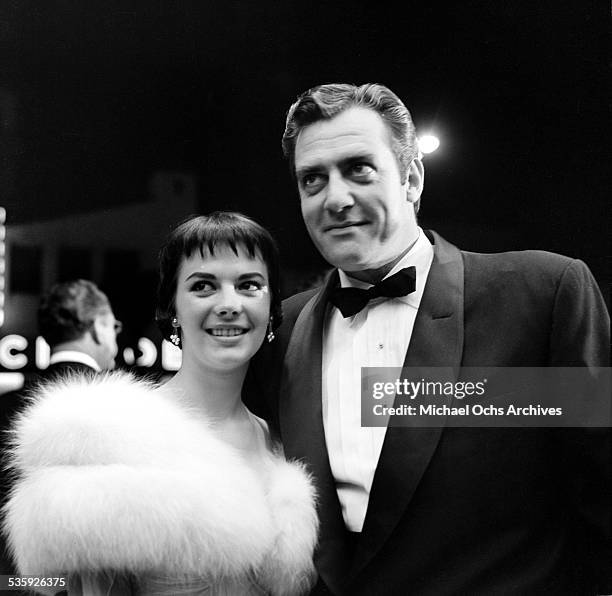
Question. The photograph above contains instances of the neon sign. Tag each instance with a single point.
(16, 353)
(2, 262)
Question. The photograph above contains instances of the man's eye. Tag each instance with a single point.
(362, 170)
(312, 182)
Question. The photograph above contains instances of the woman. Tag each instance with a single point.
(128, 488)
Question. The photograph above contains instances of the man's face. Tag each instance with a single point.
(355, 207)
(107, 329)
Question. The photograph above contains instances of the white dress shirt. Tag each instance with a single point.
(376, 336)
(74, 356)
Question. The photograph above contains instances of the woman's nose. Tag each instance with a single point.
(229, 304)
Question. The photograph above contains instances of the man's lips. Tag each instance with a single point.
(343, 225)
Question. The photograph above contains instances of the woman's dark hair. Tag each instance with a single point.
(205, 233)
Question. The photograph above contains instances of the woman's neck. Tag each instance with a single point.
(216, 394)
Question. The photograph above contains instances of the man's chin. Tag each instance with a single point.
(354, 259)
(348, 264)
(360, 268)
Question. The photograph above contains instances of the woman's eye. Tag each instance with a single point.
(202, 286)
(250, 286)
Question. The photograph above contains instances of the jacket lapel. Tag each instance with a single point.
(437, 340)
(303, 436)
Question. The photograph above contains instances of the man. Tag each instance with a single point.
(429, 511)
(76, 319)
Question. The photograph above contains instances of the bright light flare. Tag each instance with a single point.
(428, 143)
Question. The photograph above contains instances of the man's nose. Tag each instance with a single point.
(338, 194)
(229, 303)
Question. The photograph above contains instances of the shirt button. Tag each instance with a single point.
(380, 346)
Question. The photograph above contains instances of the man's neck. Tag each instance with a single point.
(373, 276)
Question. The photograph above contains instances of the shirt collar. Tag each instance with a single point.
(74, 356)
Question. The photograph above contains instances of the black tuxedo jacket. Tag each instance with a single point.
(474, 511)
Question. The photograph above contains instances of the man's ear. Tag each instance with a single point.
(96, 328)
(414, 180)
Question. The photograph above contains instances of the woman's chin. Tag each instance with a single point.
(224, 353)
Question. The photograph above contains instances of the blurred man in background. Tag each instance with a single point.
(77, 321)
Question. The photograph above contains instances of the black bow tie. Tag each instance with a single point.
(351, 300)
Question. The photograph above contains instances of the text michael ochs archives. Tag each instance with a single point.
(485, 397)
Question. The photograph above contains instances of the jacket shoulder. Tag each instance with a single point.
(542, 272)
(535, 261)
(536, 268)
(522, 266)
(293, 305)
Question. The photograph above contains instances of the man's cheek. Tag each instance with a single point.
(388, 228)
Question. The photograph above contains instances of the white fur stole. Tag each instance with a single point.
(114, 475)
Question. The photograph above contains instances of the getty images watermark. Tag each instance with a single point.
(486, 397)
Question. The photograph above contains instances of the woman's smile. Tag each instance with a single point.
(227, 331)
(222, 307)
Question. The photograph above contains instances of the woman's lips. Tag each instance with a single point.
(226, 331)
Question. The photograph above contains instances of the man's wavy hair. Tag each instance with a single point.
(205, 233)
(68, 311)
(326, 101)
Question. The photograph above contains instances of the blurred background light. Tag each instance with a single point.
(428, 143)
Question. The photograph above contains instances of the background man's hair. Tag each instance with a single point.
(69, 310)
(326, 101)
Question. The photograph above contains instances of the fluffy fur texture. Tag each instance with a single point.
(114, 475)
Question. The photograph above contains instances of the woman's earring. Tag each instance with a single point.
(174, 336)
(270, 336)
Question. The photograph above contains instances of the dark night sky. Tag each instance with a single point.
(107, 92)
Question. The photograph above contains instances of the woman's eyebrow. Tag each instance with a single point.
(252, 274)
(204, 275)
(200, 275)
